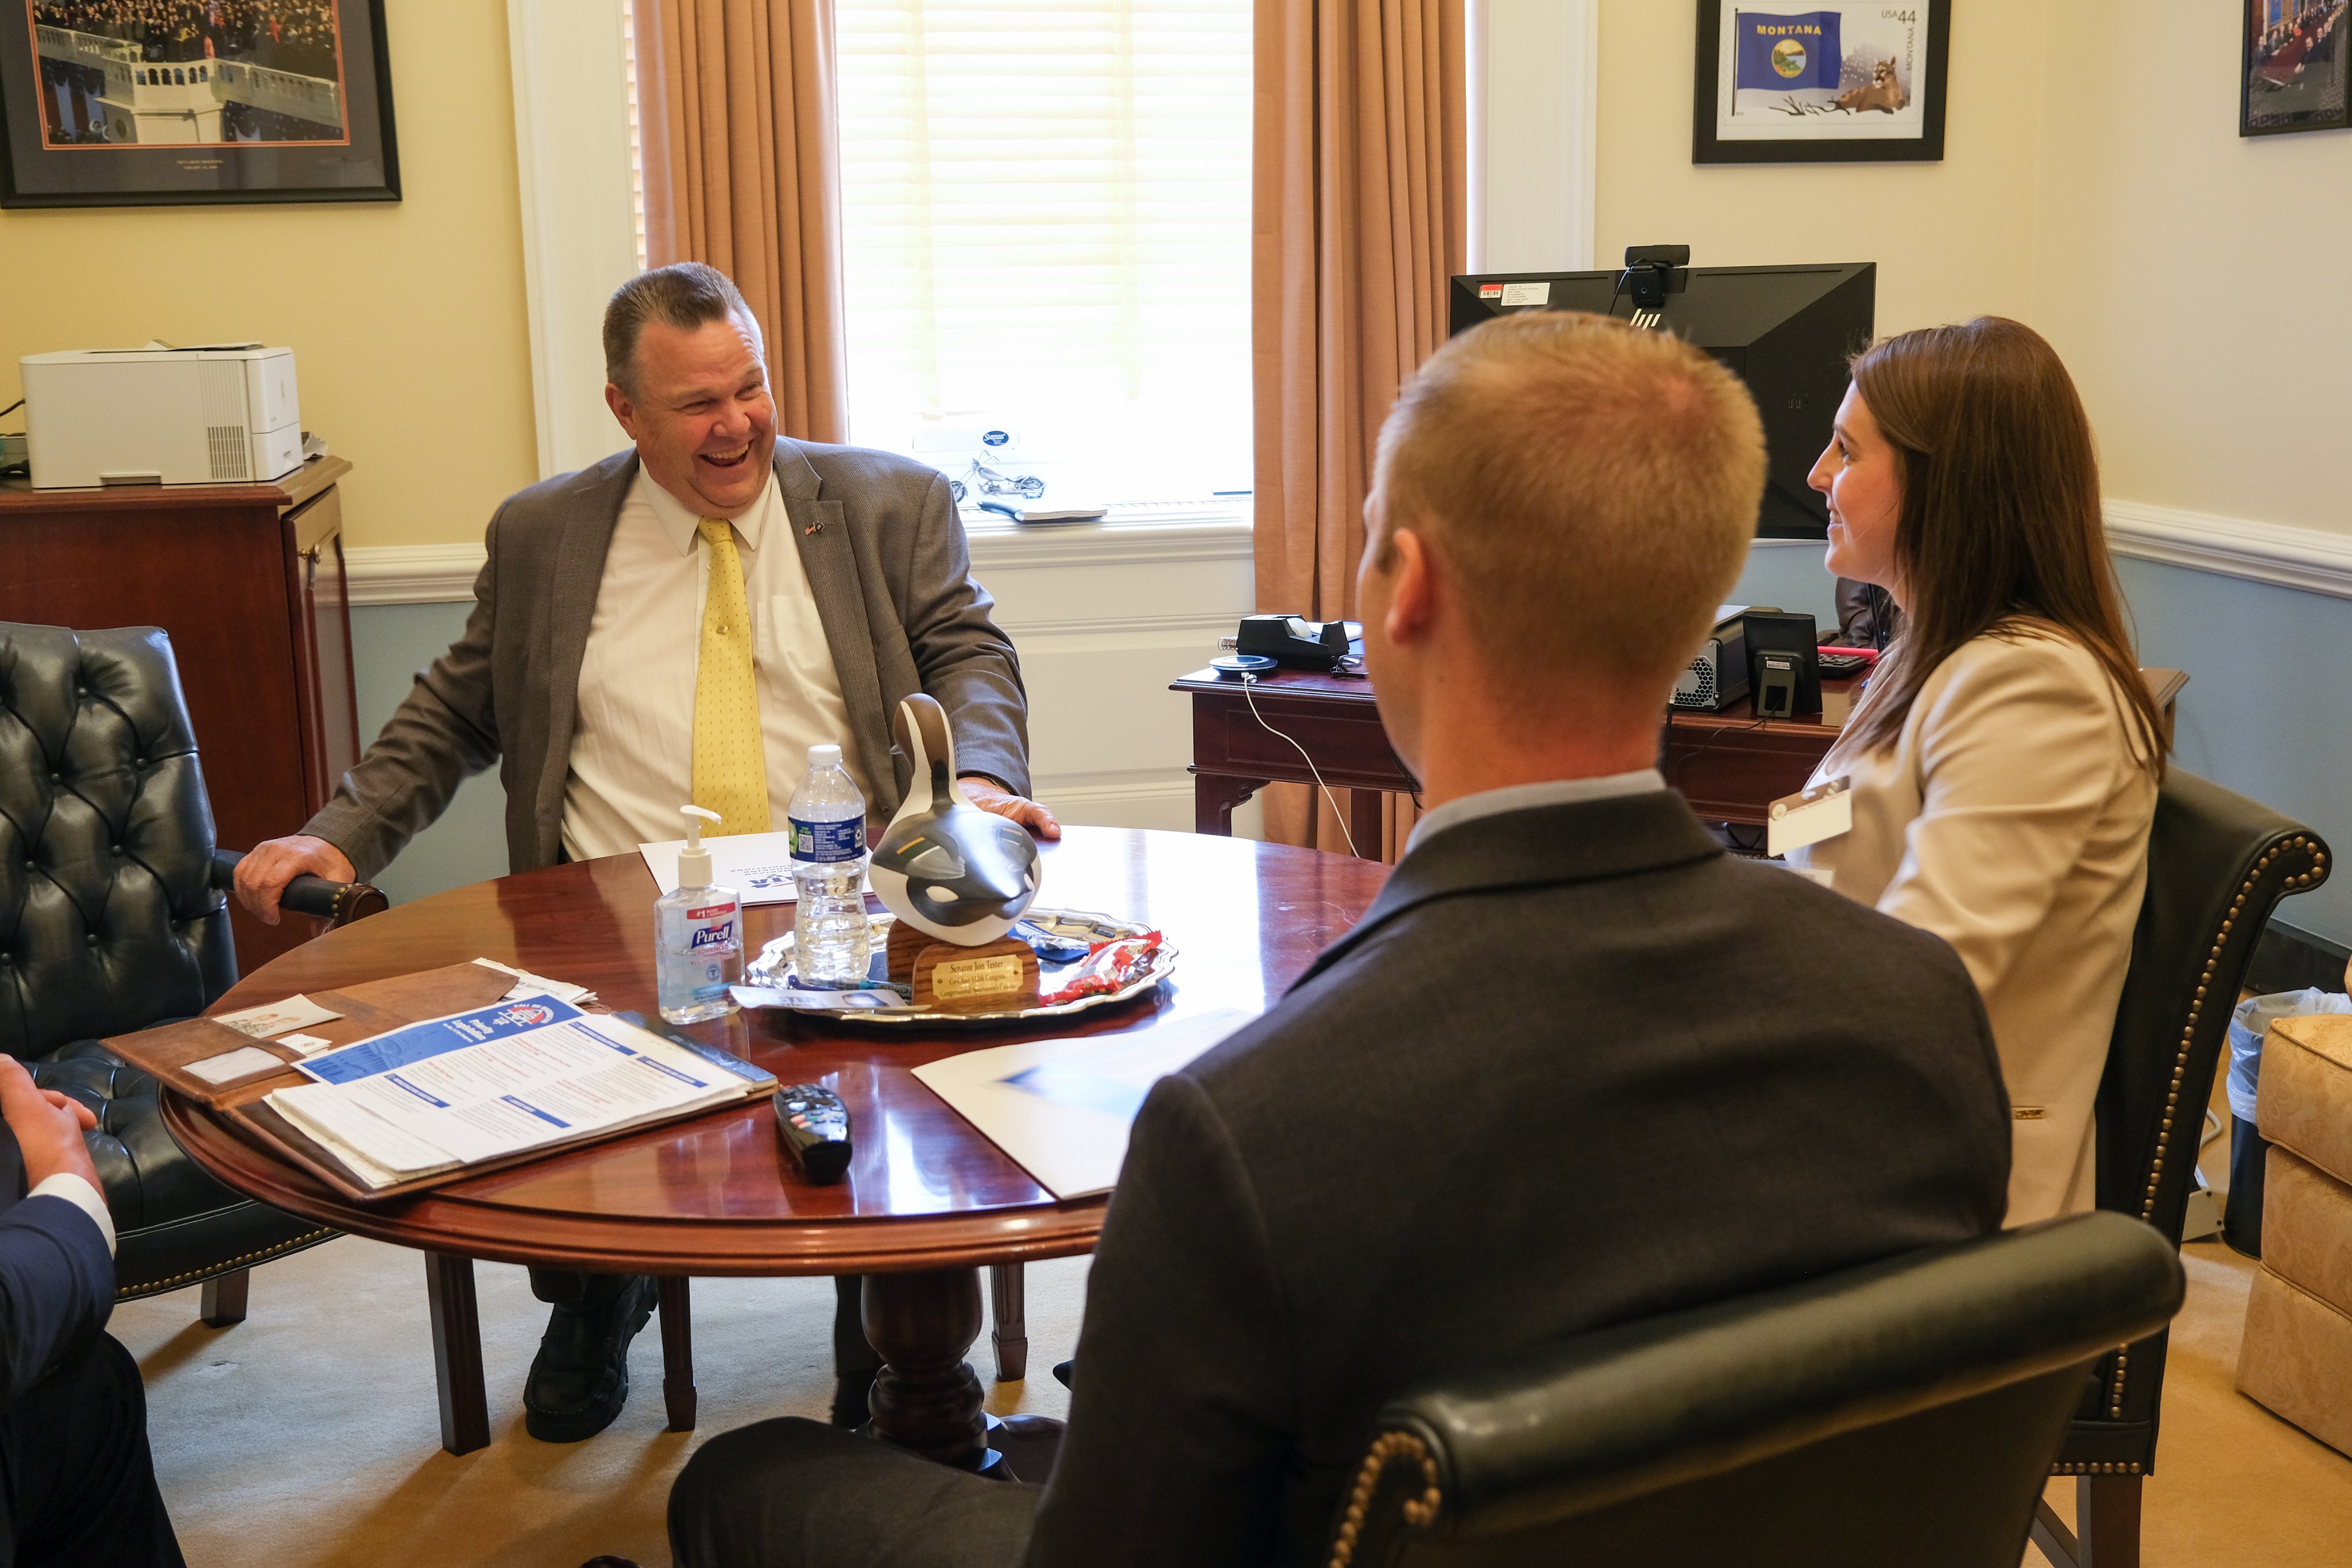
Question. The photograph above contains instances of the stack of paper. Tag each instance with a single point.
(517, 1075)
(529, 985)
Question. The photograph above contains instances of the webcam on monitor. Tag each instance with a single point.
(1653, 272)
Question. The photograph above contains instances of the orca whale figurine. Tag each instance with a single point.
(944, 866)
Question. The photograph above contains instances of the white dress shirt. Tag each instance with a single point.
(633, 754)
(76, 1191)
(1527, 797)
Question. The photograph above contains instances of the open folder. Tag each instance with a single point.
(505, 1079)
(442, 1074)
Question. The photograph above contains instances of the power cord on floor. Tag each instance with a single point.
(1337, 815)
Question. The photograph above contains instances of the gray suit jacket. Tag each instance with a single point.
(887, 564)
(1576, 1066)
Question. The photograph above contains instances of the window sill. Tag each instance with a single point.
(1152, 531)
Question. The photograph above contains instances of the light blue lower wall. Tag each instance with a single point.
(390, 643)
(2268, 711)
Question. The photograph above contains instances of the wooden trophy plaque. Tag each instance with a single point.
(995, 977)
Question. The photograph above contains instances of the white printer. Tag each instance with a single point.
(220, 413)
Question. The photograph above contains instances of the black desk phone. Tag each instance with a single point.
(1300, 644)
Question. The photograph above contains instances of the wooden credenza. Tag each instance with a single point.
(248, 581)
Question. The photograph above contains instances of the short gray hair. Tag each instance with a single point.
(683, 295)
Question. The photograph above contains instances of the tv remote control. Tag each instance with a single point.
(814, 1126)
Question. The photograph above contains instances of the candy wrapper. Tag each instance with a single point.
(1107, 967)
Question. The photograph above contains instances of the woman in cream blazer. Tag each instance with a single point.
(2003, 762)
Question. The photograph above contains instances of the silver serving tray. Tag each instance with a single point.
(773, 967)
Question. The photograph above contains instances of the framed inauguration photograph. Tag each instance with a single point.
(1826, 83)
(117, 103)
(2293, 67)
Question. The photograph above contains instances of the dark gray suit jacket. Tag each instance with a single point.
(1576, 1066)
(887, 565)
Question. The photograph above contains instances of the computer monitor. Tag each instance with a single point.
(1787, 331)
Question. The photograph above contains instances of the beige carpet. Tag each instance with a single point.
(308, 1433)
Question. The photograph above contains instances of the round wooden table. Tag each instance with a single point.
(929, 1200)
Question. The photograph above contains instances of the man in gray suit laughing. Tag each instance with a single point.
(681, 623)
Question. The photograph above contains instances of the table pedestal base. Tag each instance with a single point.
(927, 1398)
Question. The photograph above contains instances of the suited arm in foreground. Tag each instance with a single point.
(57, 1267)
(76, 1479)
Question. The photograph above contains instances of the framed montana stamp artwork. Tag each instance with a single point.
(114, 103)
(1827, 83)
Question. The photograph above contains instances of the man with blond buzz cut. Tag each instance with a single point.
(681, 623)
(1576, 1065)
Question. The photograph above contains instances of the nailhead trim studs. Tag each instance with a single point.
(1420, 1511)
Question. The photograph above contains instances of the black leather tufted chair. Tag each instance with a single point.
(1904, 1412)
(111, 919)
(2218, 863)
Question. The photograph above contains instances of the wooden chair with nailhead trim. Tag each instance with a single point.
(1901, 1412)
(2218, 865)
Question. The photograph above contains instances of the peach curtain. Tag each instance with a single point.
(1360, 216)
(741, 170)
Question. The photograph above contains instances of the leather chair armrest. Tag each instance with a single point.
(1648, 1404)
(337, 903)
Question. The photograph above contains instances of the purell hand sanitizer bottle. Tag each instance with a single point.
(697, 936)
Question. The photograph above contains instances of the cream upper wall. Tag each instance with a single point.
(2094, 185)
(406, 318)
(1952, 239)
(2192, 278)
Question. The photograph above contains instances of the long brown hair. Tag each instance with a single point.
(1999, 526)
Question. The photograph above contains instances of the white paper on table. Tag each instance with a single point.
(529, 985)
(231, 1065)
(1061, 1109)
(277, 1018)
(758, 866)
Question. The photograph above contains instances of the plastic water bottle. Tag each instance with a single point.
(697, 936)
(831, 941)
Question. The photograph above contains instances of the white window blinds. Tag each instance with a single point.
(1046, 230)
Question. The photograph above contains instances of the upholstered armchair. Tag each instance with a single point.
(112, 919)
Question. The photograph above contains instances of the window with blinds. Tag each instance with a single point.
(1046, 232)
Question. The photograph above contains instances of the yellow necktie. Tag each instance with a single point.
(730, 767)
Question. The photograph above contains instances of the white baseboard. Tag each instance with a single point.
(1159, 802)
(2317, 560)
(444, 574)
(411, 574)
